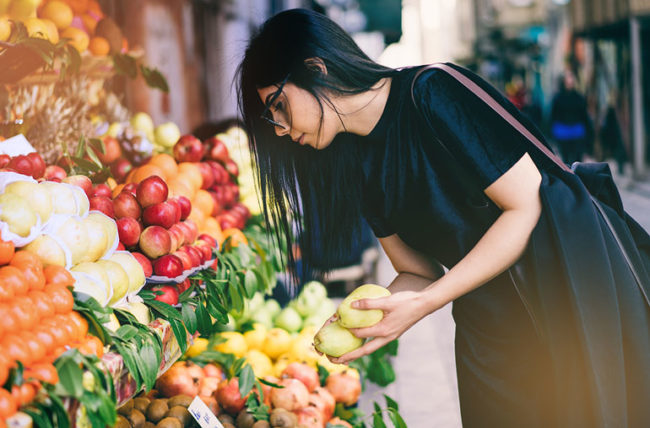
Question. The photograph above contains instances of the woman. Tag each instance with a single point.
(545, 335)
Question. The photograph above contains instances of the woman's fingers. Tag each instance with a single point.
(376, 330)
(366, 349)
(382, 303)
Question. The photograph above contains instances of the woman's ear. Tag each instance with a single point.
(316, 64)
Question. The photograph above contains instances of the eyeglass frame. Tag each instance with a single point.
(270, 103)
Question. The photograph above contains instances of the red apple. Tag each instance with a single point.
(194, 229)
(168, 265)
(207, 174)
(130, 188)
(120, 169)
(38, 164)
(178, 237)
(242, 209)
(22, 165)
(208, 239)
(80, 181)
(182, 287)
(194, 257)
(185, 258)
(227, 220)
(152, 190)
(186, 206)
(177, 207)
(120, 247)
(126, 205)
(188, 148)
(103, 204)
(169, 294)
(200, 254)
(129, 230)
(102, 190)
(229, 397)
(112, 150)
(155, 242)
(4, 160)
(162, 214)
(232, 167)
(145, 263)
(216, 207)
(219, 172)
(217, 149)
(185, 233)
(205, 248)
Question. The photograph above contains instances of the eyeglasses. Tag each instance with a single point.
(266, 114)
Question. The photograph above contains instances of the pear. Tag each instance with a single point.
(83, 204)
(63, 197)
(109, 226)
(113, 324)
(118, 279)
(16, 212)
(132, 268)
(91, 286)
(97, 240)
(335, 340)
(48, 250)
(74, 235)
(140, 311)
(37, 197)
(96, 272)
(359, 318)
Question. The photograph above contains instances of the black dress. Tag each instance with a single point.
(528, 351)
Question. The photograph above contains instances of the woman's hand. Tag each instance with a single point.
(401, 311)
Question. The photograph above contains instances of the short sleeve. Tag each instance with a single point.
(473, 132)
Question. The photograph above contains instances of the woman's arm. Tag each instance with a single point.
(517, 193)
(406, 260)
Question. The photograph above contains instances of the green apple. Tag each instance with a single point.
(35, 195)
(48, 250)
(167, 134)
(289, 319)
(359, 318)
(272, 307)
(16, 212)
(314, 288)
(64, 200)
(140, 311)
(118, 279)
(97, 240)
(263, 317)
(132, 267)
(316, 320)
(74, 236)
(335, 340)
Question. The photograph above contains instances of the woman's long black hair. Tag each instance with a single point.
(320, 189)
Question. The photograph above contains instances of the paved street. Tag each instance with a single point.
(426, 387)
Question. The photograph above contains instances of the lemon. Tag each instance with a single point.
(199, 346)
(255, 338)
(281, 363)
(302, 350)
(259, 362)
(234, 344)
(277, 342)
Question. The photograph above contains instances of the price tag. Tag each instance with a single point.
(203, 415)
(16, 145)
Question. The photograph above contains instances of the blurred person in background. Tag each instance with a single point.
(611, 137)
(571, 127)
(551, 328)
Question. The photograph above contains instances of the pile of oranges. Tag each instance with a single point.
(38, 324)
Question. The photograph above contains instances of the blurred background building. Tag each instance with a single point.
(521, 46)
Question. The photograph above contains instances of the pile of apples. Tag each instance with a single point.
(150, 222)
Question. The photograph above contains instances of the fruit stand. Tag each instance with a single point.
(135, 268)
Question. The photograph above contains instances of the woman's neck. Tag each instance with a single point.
(360, 113)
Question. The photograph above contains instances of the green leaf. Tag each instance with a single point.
(250, 284)
(246, 380)
(391, 347)
(390, 403)
(189, 317)
(203, 322)
(127, 332)
(154, 78)
(323, 374)
(70, 376)
(235, 295)
(125, 65)
(380, 371)
(167, 311)
(396, 418)
(151, 360)
(271, 384)
(260, 391)
(180, 333)
(377, 420)
(237, 366)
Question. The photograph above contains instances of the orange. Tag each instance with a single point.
(179, 186)
(117, 190)
(63, 321)
(167, 163)
(192, 173)
(4, 370)
(58, 12)
(92, 345)
(236, 236)
(145, 171)
(211, 227)
(12, 277)
(42, 303)
(197, 217)
(61, 298)
(203, 202)
(58, 275)
(99, 46)
(34, 346)
(9, 322)
(16, 349)
(90, 23)
(78, 38)
(95, 9)
(43, 335)
(24, 312)
(6, 252)
(80, 323)
(43, 372)
(78, 6)
(57, 331)
(7, 404)
(23, 394)
(25, 258)
(33, 276)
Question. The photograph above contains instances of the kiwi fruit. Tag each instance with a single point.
(225, 418)
(136, 418)
(122, 422)
(108, 29)
(180, 413)
(228, 425)
(169, 423)
(156, 410)
(282, 418)
(141, 403)
(149, 425)
(261, 424)
(244, 419)
(180, 400)
(125, 408)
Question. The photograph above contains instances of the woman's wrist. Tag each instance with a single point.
(431, 299)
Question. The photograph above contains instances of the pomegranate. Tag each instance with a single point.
(344, 388)
(195, 370)
(208, 386)
(212, 404)
(177, 380)
(293, 396)
(304, 373)
(338, 421)
(323, 401)
(309, 417)
(212, 370)
(229, 397)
